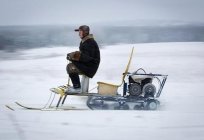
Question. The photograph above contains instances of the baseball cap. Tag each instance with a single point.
(84, 28)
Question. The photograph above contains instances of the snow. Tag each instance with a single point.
(27, 75)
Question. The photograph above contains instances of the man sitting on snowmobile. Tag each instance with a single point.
(85, 61)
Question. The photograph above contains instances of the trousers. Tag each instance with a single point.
(73, 73)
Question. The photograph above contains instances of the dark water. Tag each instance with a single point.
(25, 37)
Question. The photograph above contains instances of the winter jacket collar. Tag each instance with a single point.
(90, 36)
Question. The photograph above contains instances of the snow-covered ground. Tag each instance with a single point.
(26, 76)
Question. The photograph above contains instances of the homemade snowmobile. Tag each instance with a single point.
(140, 91)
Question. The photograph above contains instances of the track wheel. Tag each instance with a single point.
(151, 105)
(138, 107)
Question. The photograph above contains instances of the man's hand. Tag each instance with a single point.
(74, 56)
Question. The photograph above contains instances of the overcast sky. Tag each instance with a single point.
(14, 12)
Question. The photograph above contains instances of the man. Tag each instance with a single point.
(85, 61)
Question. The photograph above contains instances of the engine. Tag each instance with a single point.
(141, 86)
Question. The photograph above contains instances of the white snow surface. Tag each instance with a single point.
(26, 76)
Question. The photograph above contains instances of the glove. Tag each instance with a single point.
(74, 56)
(68, 57)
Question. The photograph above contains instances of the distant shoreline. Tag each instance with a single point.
(35, 36)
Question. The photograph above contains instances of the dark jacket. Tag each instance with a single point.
(90, 56)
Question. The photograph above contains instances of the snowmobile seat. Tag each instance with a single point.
(84, 84)
(111, 89)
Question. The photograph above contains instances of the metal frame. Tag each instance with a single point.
(161, 79)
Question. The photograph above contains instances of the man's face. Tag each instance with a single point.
(81, 34)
